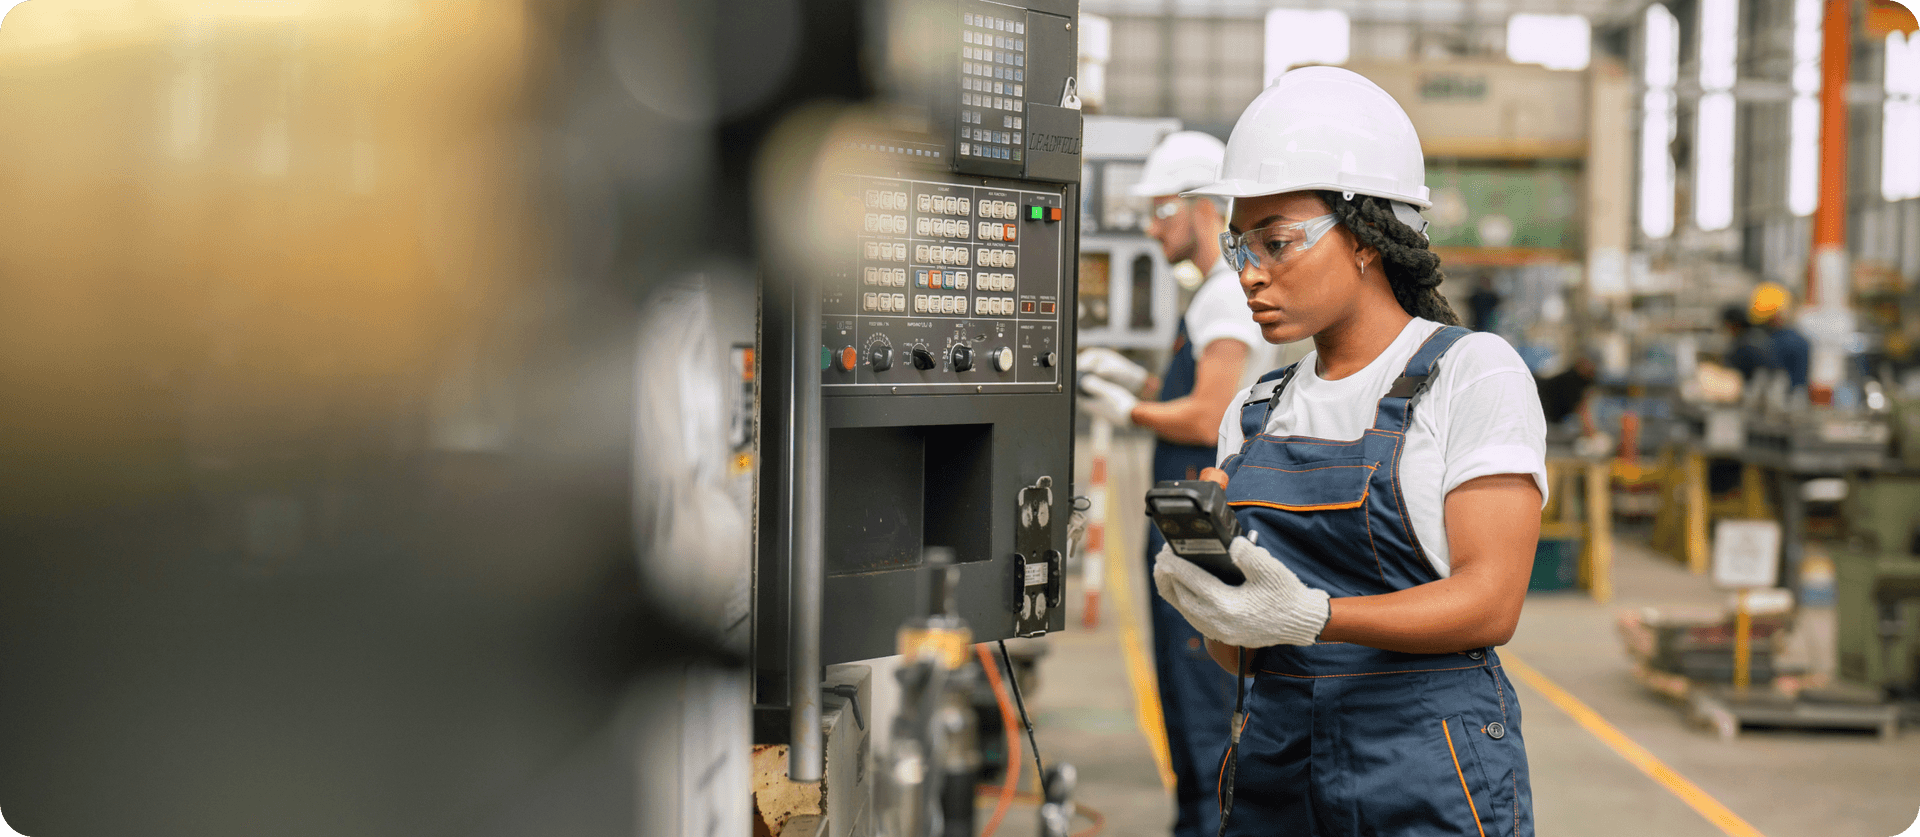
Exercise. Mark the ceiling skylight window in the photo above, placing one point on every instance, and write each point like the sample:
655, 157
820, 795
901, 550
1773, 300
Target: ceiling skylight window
1306, 36
1557, 42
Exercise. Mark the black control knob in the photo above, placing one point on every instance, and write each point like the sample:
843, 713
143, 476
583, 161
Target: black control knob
1049, 359
880, 357
922, 359
962, 357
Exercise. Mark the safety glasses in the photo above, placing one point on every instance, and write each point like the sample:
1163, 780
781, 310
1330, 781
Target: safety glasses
1274, 245
1168, 209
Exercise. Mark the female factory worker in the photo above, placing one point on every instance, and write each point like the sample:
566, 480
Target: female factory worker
1390, 485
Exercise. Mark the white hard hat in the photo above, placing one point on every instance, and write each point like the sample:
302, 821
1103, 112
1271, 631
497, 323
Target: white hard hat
1182, 161
1323, 128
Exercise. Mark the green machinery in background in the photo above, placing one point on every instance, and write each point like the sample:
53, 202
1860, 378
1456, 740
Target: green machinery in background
1877, 584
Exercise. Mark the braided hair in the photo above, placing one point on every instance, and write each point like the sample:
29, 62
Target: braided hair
1413, 271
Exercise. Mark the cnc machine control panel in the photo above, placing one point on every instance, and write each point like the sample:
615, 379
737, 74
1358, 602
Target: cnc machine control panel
954, 287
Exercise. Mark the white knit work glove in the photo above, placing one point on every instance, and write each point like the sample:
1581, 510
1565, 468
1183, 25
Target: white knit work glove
1107, 400
1273, 607
1112, 366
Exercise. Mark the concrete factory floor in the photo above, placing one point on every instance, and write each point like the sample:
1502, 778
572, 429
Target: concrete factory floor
1778, 783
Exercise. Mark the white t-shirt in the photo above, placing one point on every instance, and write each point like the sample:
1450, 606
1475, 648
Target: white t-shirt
1481, 415
1219, 309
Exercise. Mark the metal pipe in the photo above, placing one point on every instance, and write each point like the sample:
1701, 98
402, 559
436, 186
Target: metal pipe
806, 574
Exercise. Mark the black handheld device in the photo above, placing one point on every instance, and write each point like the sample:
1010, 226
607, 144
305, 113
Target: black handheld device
1194, 517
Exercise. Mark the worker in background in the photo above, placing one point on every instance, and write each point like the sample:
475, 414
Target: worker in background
1570, 393
1483, 304
1390, 485
1216, 351
1748, 348
1768, 310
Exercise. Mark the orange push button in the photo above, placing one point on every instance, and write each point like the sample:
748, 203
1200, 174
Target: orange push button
847, 358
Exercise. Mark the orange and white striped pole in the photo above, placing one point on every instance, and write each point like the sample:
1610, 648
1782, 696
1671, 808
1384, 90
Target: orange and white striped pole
1094, 567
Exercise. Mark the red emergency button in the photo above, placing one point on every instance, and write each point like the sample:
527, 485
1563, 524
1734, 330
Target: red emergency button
1054, 213
847, 358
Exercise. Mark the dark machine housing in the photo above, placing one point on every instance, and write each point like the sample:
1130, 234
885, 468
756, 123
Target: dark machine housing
916, 392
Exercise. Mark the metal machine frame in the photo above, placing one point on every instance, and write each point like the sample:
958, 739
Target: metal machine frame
914, 387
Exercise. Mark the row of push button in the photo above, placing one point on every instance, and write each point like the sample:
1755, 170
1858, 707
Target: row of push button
889, 276
977, 72
945, 204
979, 135
941, 279
938, 254
995, 282
970, 149
996, 232
882, 199
990, 257
994, 23
994, 102
942, 227
925, 304
883, 302
1003, 210
884, 223
895, 251
994, 305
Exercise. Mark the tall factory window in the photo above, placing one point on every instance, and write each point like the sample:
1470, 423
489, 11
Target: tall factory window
1713, 131
1803, 126
1660, 71
1900, 127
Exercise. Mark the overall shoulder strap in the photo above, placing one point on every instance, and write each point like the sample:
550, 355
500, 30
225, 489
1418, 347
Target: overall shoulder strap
1260, 400
1396, 407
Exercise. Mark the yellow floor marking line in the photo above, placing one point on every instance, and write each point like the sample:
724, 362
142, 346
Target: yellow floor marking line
1690, 793
1133, 648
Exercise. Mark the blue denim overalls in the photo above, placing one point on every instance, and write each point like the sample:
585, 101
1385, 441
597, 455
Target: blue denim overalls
1196, 695
1342, 739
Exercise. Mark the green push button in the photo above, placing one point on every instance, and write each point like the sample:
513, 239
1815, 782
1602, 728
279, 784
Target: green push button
826, 358
1033, 213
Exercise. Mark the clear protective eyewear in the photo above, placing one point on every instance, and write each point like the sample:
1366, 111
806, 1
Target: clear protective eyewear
1169, 209
1273, 245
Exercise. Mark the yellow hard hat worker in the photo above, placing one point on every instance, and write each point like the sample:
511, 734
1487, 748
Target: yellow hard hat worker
1769, 303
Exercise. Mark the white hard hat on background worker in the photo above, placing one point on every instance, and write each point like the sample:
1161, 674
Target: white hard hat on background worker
1185, 160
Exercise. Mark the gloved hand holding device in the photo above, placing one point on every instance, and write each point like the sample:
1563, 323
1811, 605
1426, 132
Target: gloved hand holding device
1272, 607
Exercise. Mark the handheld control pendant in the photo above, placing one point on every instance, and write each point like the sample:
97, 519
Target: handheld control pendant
1194, 517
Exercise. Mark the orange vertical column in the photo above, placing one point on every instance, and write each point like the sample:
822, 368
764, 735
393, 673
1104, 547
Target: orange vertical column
1830, 214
